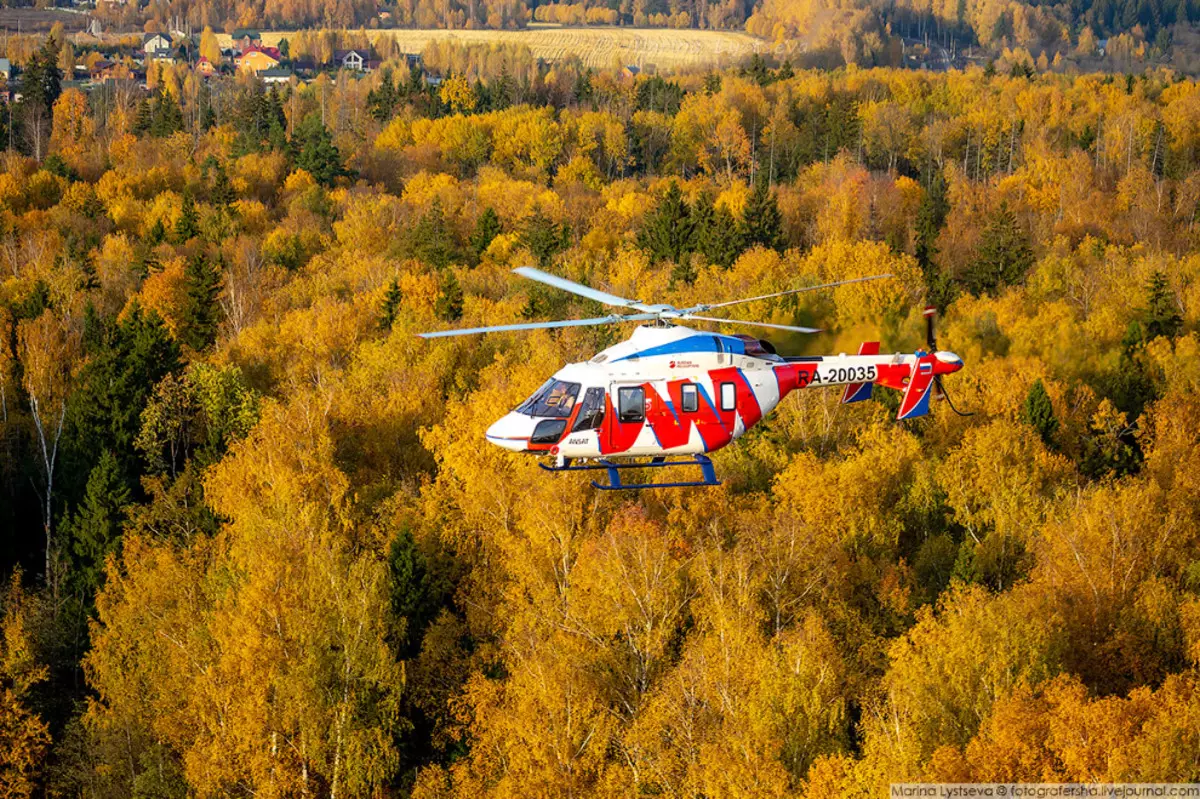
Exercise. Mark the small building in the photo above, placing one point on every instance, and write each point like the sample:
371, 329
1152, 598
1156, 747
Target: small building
630, 71
5, 69
276, 75
255, 59
100, 69
205, 67
156, 45
357, 60
244, 38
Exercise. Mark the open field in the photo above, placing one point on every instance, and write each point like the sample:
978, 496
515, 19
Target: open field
40, 20
597, 46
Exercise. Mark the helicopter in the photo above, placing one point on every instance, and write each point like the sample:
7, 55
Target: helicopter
672, 391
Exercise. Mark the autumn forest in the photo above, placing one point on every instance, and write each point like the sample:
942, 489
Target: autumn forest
254, 543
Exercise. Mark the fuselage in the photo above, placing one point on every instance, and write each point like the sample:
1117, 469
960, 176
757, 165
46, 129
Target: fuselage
678, 391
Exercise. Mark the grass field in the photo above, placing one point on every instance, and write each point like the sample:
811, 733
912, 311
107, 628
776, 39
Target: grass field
40, 20
597, 46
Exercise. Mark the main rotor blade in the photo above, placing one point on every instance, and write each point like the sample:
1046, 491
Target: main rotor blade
602, 297
756, 324
785, 293
600, 320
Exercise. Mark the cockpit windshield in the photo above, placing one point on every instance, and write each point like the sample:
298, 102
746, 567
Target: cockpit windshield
556, 398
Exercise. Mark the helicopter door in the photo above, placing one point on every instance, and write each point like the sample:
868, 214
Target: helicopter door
629, 416
591, 412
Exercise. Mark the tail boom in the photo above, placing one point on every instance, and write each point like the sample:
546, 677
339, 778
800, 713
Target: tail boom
913, 374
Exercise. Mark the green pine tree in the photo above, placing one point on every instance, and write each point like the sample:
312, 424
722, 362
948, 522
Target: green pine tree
222, 195
167, 117
141, 123
1161, 314
413, 602
208, 117
666, 233
187, 226
487, 228
715, 232
157, 233
757, 71
1003, 257
391, 304
201, 313
432, 239
315, 151
761, 221
449, 305
126, 359
931, 217
543, 237
1038, 412
95, 528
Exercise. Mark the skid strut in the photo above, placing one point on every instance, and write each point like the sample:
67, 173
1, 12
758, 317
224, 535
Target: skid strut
659, 462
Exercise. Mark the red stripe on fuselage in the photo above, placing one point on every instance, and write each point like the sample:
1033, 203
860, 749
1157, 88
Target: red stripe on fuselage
793, 376
672, 426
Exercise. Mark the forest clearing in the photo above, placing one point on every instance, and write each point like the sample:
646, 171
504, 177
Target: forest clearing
597, 47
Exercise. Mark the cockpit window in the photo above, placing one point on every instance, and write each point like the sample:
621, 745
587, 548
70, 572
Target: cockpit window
556, 398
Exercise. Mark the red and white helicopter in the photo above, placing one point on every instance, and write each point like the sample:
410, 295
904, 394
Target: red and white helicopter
671, 390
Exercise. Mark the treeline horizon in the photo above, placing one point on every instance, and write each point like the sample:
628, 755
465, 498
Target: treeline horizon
858, 32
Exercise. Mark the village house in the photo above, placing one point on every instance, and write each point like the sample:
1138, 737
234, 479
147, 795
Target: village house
255, 59
275, 75
157, 45
244, 38
205, 67
357, 60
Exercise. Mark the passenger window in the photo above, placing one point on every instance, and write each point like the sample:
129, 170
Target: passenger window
631, 404
728, 397
591, 413
690, 398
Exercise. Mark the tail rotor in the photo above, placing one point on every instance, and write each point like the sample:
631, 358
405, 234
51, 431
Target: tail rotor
939, 389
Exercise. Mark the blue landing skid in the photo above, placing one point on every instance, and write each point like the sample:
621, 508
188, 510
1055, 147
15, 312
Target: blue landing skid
658, 462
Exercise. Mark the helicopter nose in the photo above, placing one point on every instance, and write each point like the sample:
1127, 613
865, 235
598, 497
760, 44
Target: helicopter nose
950, 362
512, 432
